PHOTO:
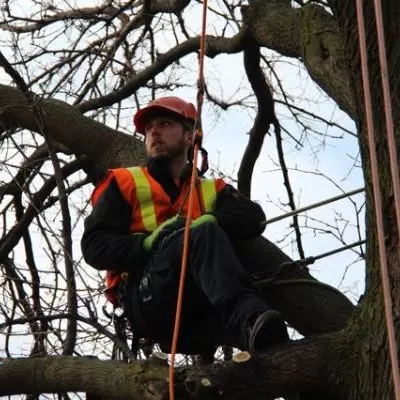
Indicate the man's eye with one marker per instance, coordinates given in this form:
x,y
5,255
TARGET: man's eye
x,y
166,123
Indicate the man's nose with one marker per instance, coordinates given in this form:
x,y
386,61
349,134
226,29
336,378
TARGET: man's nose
x,y
153,130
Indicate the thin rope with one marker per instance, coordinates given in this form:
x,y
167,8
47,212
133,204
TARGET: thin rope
x,y
378,202
197,144
312,206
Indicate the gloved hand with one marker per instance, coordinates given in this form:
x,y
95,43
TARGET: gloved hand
x,y
203,219
168,227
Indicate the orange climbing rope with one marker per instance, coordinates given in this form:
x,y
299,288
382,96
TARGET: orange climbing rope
x,y
197,144
374,171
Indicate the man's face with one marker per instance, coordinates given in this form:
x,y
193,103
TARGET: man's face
x,y
166,137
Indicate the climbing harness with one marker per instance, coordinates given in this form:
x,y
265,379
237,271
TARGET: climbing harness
x,y
194,177
374,170
120,322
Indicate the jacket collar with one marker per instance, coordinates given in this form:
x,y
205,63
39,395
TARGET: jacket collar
x,y
160,171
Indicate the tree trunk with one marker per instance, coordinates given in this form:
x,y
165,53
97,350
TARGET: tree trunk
x,y
367,354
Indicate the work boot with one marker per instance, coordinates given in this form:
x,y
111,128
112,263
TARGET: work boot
x,y
265,329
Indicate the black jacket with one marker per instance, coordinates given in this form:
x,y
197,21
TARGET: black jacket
x,y
107,244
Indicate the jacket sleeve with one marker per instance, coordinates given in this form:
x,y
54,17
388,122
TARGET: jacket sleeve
x,y
106,242
238,216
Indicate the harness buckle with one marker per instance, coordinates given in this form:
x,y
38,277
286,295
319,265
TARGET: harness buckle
x,y
144,289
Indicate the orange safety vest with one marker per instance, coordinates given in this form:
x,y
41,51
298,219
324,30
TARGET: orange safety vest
x,y
151,206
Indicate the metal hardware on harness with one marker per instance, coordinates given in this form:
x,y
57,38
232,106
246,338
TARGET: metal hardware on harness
x,y
144,289
121,291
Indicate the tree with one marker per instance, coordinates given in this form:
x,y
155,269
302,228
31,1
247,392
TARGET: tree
x,y
345,351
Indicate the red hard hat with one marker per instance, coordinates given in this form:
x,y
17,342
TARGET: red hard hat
x,y
164,104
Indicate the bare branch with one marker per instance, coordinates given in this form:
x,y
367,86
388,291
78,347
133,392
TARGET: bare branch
x,y
101,13
288,186
214,46
265,114
8,242
90,321
66,219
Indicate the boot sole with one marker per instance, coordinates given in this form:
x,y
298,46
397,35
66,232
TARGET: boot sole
x,y
268,329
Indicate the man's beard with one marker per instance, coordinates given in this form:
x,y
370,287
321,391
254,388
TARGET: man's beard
x,y
171,153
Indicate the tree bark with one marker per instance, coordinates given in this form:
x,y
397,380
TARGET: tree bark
x,y
367,355
322,308
308,33
66,125
293,368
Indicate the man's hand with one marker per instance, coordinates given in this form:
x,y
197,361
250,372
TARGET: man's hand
x,y
164,230
203,219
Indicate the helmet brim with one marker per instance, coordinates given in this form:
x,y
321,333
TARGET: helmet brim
x,y
143,115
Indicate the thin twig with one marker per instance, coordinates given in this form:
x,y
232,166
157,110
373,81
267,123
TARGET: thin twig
x,y
289,190
70,340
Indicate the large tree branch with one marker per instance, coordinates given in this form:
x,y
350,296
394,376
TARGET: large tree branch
x,y
296,367
214,46
309,33
143,18
264,118
307,305
82,135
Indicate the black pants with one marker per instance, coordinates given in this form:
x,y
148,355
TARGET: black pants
x,y
219,295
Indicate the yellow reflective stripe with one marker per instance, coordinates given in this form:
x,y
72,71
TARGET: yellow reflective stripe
x,y
209,194
145,198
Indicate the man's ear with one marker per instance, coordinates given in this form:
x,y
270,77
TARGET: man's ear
x,y
189,137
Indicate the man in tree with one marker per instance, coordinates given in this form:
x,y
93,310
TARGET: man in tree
x,y
136,228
